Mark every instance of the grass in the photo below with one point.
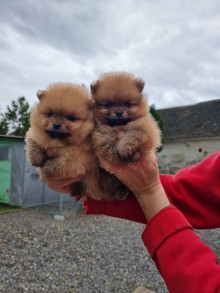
(6, 208)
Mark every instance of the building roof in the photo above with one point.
(11, 136)
(201, 120)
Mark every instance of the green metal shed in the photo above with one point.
(19, 183)
(6, 150)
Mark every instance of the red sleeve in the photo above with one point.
(186, 264)
(125, 209)
(194, 190)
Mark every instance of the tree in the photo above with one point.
(157, 117)
(16, 118)
(3, 124)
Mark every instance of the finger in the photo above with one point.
(65, 180)
(62, 186)
(105, 164)
(109, 166)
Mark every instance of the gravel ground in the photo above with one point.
(82, 254)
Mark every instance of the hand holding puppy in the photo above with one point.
(142, 178)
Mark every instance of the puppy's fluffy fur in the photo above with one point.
(63, 119)
(125, 130)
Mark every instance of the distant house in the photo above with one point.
(190, 134)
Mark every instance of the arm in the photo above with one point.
(185, 263)
(128, 208)
(194, 190)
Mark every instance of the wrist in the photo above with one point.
(153, 201)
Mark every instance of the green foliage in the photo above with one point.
(157, 117)
(16, 118)
(3, 124)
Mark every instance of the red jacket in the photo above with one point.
(186, 264)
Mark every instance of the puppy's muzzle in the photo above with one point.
(57, 132)
(117, 121)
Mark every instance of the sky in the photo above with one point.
(174, 45)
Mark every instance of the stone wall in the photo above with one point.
(178, 154)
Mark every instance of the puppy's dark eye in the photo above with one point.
(127, 104)
(49, 114)
(71, 118)
(108, 104)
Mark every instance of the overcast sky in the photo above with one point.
(174, 45)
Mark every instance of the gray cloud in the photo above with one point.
(173, 45)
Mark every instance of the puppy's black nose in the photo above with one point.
(119, 113)
(56, 125)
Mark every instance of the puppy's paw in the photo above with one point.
(38, 159)
(128, 154)
(35, 154)
(51, 168)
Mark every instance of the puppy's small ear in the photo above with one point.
(91, 103)
(94, 86)
(140, 84)
(40, 94)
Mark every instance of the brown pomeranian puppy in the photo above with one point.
(63, 119)
(125, 131)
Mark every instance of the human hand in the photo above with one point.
(143, 179)
(58, 184)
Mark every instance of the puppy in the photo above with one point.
(124, 130)
(63, 119)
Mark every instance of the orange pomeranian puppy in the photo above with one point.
(125, 131)
(63, 119)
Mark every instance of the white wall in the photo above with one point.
(181, 153)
